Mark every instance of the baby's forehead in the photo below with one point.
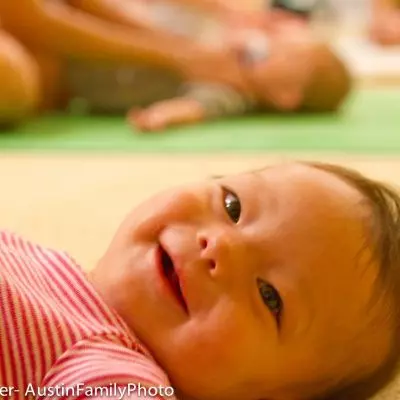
(305, 178)
(304, 202)
(317, 199)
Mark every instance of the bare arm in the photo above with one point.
(216, 7)
(165, 114)
(64, 31)
(125, 12)
(198, 102)
(134, 12)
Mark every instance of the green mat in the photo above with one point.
(370, 124)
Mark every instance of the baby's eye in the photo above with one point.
(270, 297)
(231, 204)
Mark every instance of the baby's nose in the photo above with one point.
(218, 247)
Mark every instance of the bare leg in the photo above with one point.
(19, 74)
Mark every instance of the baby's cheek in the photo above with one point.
(222, 342)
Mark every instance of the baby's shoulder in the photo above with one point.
(51, 282)
(114, 361)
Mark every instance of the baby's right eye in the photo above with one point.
(231, 204)
(271, 298)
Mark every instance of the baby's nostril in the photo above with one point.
(203, 243)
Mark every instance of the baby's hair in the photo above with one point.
(330, 84)
(383, 202)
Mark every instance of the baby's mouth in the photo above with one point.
(172, 278)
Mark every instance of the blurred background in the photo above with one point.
(70, 176)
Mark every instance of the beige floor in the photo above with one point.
(76, 202)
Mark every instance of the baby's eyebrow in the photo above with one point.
(255, 172)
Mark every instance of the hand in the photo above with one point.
(165, 114)
(146, 120)
(385, 29)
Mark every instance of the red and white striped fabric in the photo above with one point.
(58, 339)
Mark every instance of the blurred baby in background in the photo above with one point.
(298, 72)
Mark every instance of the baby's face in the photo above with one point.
(248, 287)
(281, 69)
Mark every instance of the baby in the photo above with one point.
(278, 284)
(298, 72)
